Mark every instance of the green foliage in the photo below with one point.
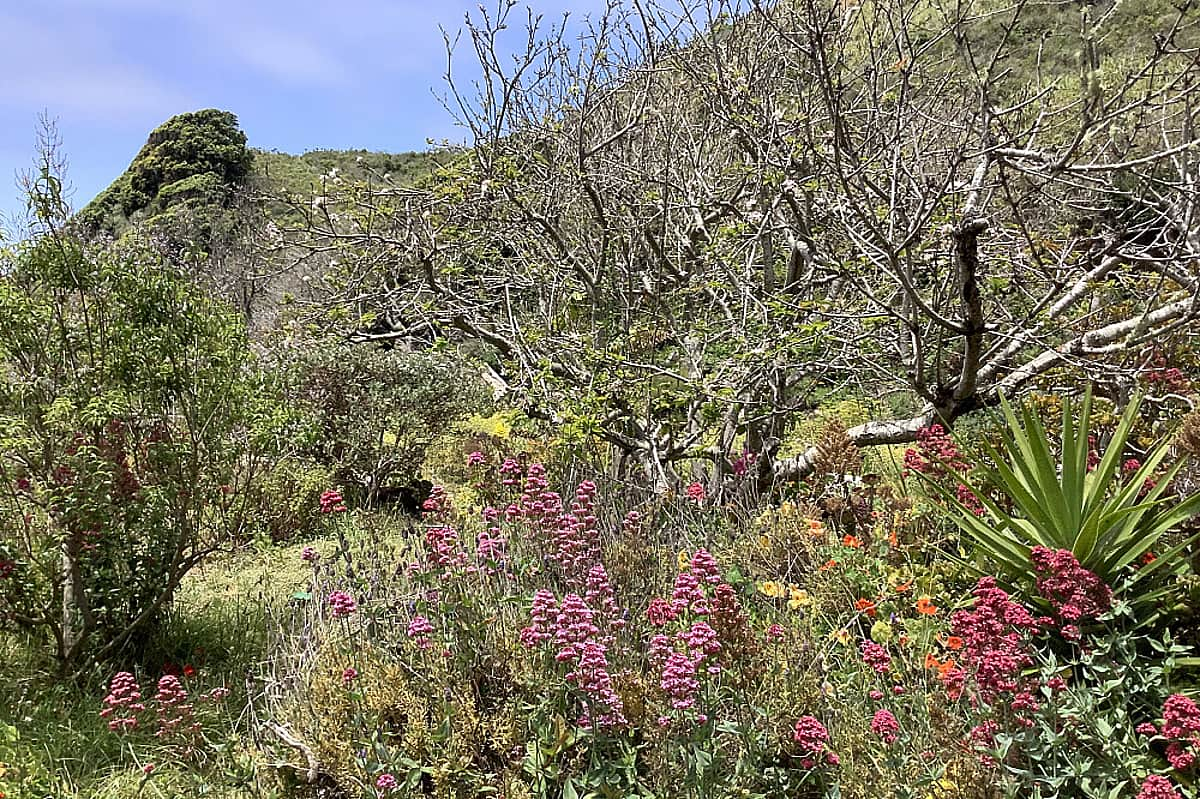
(124, 400)
(195, 159)
(375, 412)
(1108, 516)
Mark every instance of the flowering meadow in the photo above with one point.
(537, 631)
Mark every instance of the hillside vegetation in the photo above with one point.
(787, 400)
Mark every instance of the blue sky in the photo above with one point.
(300, 74)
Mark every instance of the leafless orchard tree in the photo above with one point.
(683, 225)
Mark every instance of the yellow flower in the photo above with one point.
(797, 598)
(771, 588)
(684, 560)
(841, 636)
(764, 542)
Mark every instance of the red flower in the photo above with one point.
(189, 670)
(851, 541)
(866, 606)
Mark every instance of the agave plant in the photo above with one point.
(1108, 517)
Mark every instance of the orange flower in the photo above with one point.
(816, 528)
(851, 541)
(926, 607)
(828, 565)
(900, 589)
(892, 539)
(954, 642)
(866, 606)
(903, 640)
(945, 667)
(931, 662)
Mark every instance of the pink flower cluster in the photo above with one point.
(696, 493)
(309, 555)
(420, 629)
(331, 502)
(1157, 787)
(386, 783)
(572, 626)
(935, 454)
(123, 702)
(1181, 725)
(437, 505)
(475, 458)
(1075, 593)
(444, 548)
(885, 725)
(876, 656)
(342, 604)
(994, 647)
(174, 711)
(813, 740)
(576, 541)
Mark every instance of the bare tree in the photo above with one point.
(680, 224)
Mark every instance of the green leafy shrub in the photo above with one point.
(125, 401)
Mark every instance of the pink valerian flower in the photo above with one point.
(687, 594)
(491, 547)
(679, 681)
(994, 648)
(543, 612)
(309, 555)
(600, 597)
(884, 725)
(1075, 593)
(702, 643)
(1157, 787)
(659, 649)
(875, 694)
(696, 493)
(123, 702)
(742, 465)
(1146, 728)
(341, 604)
(876, 656)
(475, 458)
(444, 548)
(510, 473)
(386, 783)
(174, 711)
(812, 740)
(1181, 725)
(704, 567)
(969, 499)
(573, 627)
(349, 675)
(631, 525)
(935, 454)
(331, 502)
(660, 611)
(592, 677)
(437, 505)
(420, 629)
(775, 632)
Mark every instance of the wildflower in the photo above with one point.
(926, 607)
(148, 769)
(931, 662)
(189, 671)
(1073, 591)
(704, 567)
(775, 632)
(342, 604)
(866, 606)
(574, 626)
(1146, 728)
(349, 675)
(884, 725)
(764, 542)
(123, 702)
(682, 560)
(331, 502)
(875, 694)
(592, 677)
(816, 528)
(904, 586)
(542, 614)
(309, 555)
(386, 783)
(174, 712)
(854, 542)
(696, 493)
(420, 629)
(797, 598)
(829, 564)
(679, 680)
(876, 656)
(1157, 787)
(841, 636)
(812, 737)
(660, 612)
(475, 458)
(953, 642)
(1181, 723)
(771, 588)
